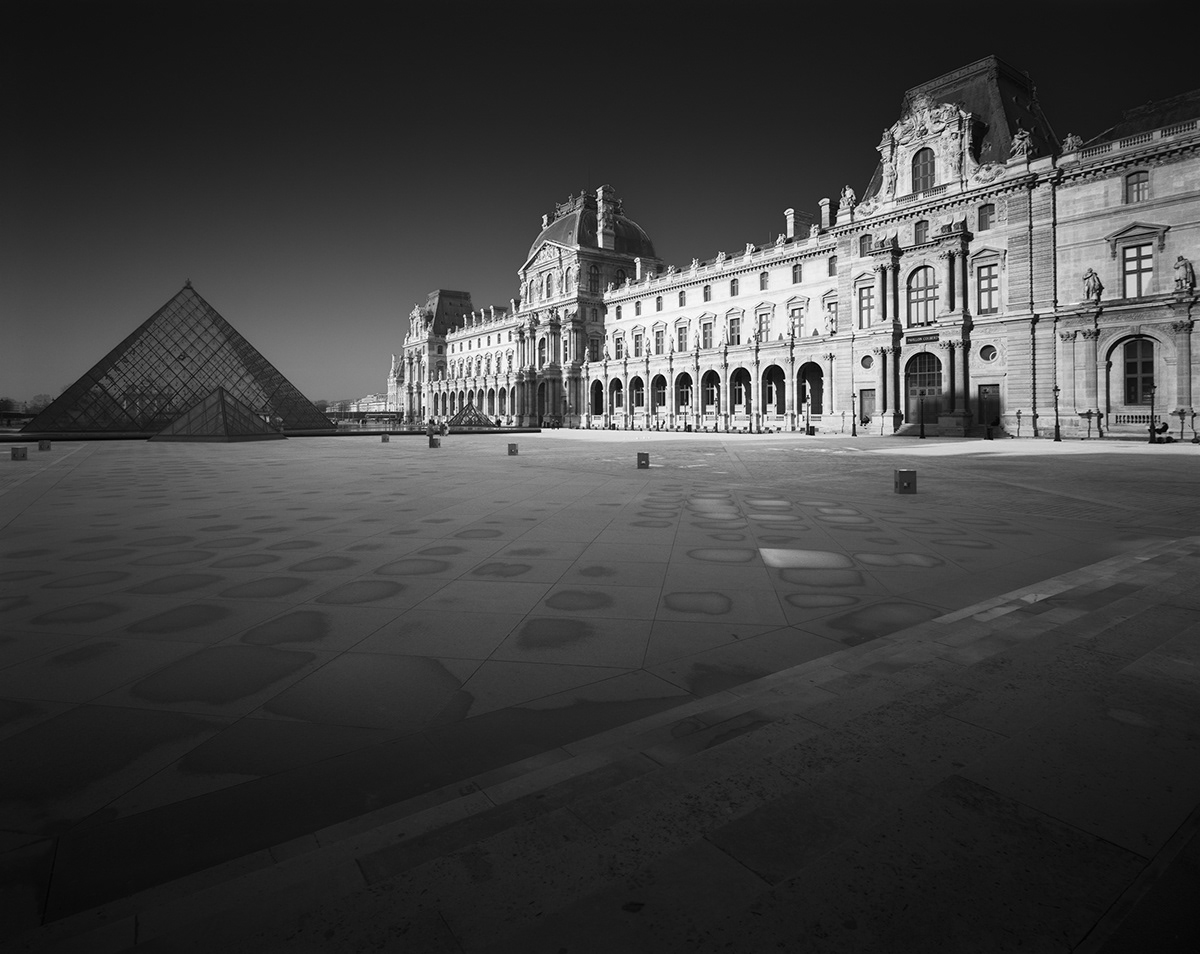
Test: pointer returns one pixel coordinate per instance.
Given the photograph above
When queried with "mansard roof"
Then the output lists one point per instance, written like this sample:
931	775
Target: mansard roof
1153	115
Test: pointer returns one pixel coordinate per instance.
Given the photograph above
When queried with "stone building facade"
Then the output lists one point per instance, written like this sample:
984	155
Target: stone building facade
990	274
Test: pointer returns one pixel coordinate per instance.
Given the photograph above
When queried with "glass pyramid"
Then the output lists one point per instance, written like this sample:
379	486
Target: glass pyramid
470	416
218	417
178	357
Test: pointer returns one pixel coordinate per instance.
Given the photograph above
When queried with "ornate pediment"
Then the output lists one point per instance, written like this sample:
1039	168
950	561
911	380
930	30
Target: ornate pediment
1136	231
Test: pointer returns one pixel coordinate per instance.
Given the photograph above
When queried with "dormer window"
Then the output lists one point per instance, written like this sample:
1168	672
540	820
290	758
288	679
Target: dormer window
924	173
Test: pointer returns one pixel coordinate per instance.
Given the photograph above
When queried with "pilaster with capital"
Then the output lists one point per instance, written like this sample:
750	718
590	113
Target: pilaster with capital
829	403
881	382
1181	331
1066	369
1091	378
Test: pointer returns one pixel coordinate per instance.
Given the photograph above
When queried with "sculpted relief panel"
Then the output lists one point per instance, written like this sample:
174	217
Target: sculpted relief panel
942	127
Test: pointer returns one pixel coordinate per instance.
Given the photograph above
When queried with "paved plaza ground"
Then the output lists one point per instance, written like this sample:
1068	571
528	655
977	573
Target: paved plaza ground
341	694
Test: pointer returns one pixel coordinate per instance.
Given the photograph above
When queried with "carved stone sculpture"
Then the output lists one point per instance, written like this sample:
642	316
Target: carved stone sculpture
1072	143
848	198
1092	287
1185	275
1022	144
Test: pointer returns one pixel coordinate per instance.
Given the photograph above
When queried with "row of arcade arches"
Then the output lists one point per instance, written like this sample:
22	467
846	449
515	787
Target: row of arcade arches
685	394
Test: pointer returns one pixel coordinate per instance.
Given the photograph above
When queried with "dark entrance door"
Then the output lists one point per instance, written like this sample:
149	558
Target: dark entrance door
989	404
866	404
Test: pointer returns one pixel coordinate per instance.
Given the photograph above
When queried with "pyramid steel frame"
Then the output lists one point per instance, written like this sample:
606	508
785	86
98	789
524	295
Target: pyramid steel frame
175	359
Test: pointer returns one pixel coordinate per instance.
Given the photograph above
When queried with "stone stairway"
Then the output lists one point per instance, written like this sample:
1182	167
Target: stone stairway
1009	776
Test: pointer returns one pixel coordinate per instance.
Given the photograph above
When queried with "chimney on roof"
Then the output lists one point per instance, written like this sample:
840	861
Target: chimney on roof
824	203
606	210
789	216
637	269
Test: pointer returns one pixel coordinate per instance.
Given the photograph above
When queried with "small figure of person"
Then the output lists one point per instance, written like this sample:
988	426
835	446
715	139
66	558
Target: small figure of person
1092	287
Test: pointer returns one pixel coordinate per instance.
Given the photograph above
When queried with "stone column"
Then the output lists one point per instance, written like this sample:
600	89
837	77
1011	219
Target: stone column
881	382
899	401
1182	333
1066	371
894	271
725	409
948	403
946	258
881	290
1091	380
790	385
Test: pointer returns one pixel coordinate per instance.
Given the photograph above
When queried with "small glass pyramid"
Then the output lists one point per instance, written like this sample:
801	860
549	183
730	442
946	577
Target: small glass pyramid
470	416
218	417
182	354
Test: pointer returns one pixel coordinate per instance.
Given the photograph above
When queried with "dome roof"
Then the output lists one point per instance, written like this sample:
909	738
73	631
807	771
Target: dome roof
578	227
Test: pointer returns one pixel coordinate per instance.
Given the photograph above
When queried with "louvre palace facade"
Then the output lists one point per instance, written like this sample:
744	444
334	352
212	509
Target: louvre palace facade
989	273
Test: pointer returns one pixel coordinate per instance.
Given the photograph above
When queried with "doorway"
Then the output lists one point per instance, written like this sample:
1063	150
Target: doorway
989	404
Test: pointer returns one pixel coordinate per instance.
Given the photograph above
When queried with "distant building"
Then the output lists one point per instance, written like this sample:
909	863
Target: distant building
989	273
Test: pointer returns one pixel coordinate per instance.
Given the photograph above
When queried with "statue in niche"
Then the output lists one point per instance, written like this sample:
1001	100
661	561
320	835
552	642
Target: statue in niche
1185	275
830	322
1022	144
1072	143
1092	287
848	198
889	177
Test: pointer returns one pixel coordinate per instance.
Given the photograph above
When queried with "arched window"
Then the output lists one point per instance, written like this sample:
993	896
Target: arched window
864	245
797	273
920	232
708	292
549	285
986	214
924	174
833	266
658	303
541	352
1137	187
764	280
682	299
566	283
620	277
594	279
922	297
733	286
1139	371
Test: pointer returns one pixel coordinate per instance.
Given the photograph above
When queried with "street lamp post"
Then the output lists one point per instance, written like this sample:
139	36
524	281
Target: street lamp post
807	402
1057	433
853	416
921	408
1150	392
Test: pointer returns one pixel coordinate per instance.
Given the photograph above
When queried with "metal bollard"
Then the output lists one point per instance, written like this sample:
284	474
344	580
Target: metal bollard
512	450
20	453
384	438
43	445
643	461
906	481
435	442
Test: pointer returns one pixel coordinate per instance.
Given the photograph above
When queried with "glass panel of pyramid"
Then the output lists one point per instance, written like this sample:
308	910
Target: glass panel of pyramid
179	356
470	416
218	417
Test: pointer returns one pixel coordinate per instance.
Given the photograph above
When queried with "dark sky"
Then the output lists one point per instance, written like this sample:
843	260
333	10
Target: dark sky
317	167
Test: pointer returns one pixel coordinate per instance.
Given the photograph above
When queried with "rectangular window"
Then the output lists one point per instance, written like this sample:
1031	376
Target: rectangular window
866	306
637	346
593	349
988	283
619	348
681	338
706	330
1138	269
738	393
735	331
658	342
796	320
763	322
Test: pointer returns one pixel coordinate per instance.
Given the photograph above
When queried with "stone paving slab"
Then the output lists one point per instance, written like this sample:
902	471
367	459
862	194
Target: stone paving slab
238	806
